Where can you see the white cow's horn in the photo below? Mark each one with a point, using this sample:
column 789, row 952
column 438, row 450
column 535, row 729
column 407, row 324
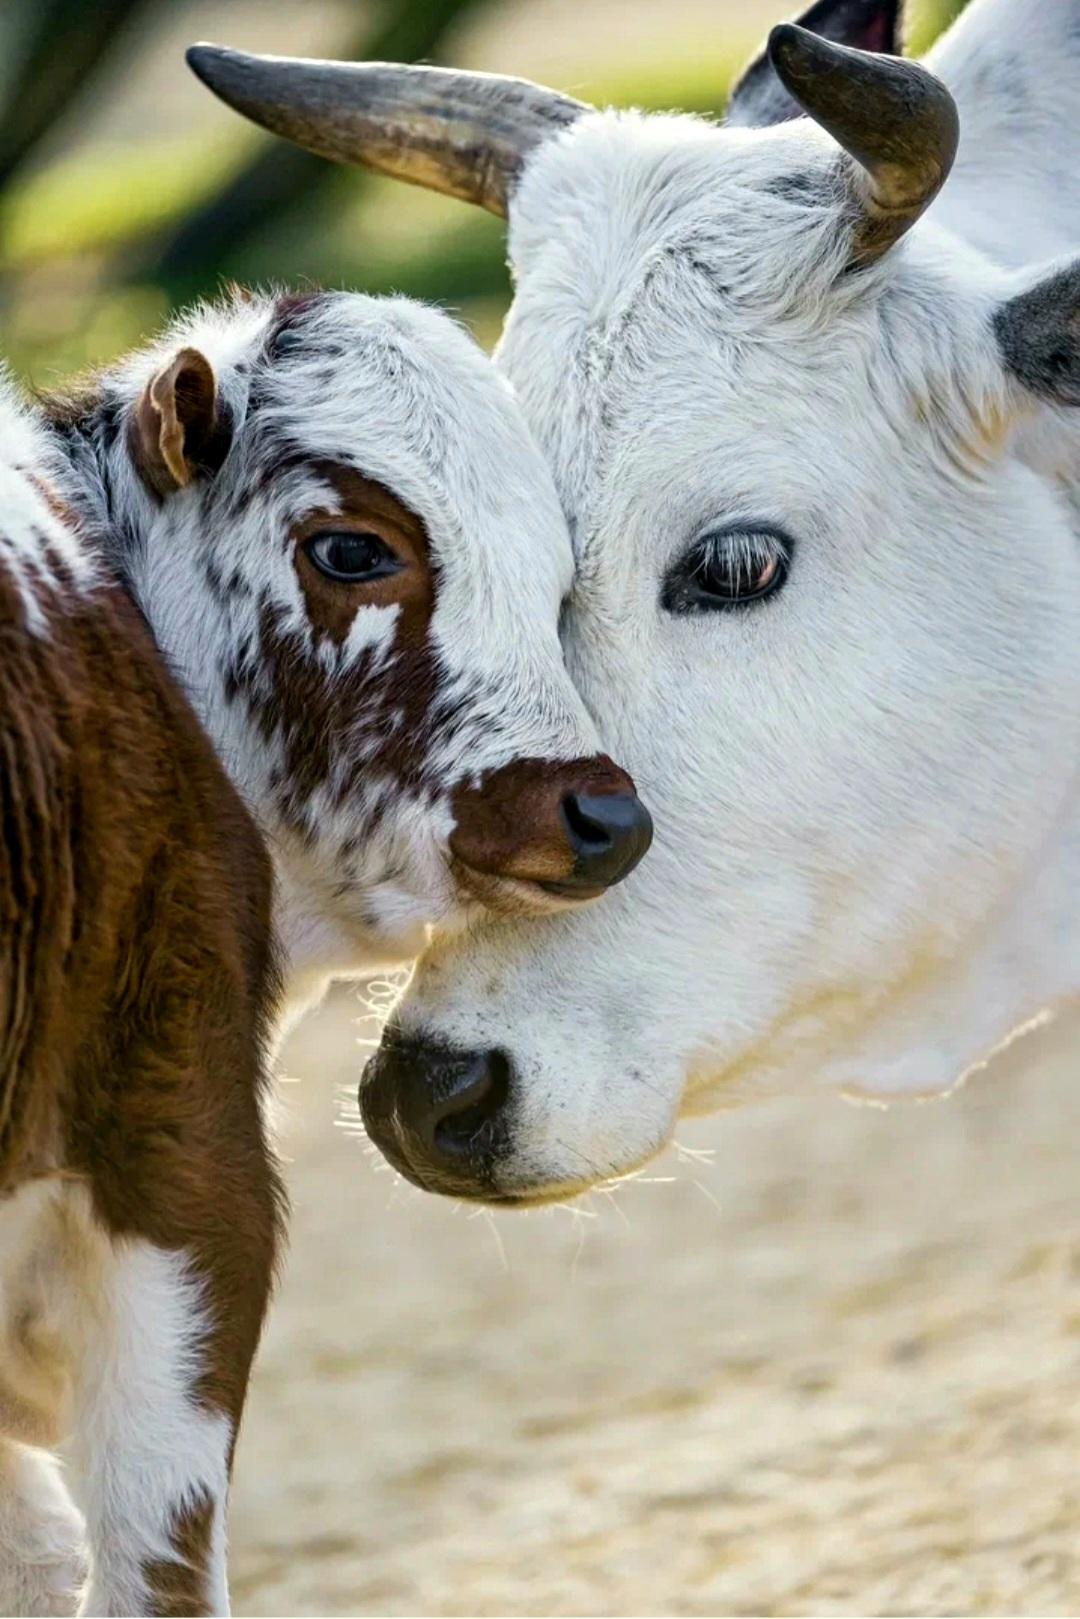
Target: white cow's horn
column 465, row 134
column 894, row 118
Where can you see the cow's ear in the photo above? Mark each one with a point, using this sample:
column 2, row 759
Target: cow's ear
column 179, row 430
column 1038, row 333
column 759, row 98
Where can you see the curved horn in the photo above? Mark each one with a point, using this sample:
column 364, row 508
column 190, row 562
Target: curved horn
column 465, row 134
column 895, row 119
column 758, row 98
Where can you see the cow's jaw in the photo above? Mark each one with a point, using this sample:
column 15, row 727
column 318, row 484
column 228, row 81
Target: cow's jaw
column 608, row 1051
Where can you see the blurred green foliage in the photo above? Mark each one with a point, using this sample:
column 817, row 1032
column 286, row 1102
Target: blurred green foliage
column 101, row 237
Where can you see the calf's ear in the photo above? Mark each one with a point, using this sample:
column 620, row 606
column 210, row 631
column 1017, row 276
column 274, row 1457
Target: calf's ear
column 759, row 98
column 1038, row 333
column 179, row 430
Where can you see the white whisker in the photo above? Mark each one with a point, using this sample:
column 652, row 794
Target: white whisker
column 709, row 1196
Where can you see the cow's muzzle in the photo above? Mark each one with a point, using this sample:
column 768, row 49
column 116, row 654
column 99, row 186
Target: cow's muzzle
column 438, row 1115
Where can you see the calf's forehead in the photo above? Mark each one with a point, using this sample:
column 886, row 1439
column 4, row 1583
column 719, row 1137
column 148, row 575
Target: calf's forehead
column 402, row 394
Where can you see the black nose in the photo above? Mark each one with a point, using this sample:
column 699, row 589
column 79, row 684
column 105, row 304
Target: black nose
column 438, row 1114
column 609, row 833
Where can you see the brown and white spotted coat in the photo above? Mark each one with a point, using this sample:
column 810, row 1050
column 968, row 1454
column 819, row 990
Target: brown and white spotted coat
column 139, row 1204
column 405, row 742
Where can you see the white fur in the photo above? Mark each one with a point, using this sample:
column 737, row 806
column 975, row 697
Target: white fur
column 34, row 544
column 867, row 790
column 42, row 1562
column 147, row 1450
column 100, row 1351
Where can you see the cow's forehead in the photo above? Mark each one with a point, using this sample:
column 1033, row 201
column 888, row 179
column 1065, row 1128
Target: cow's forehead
column 682, row 286
column 643, row 247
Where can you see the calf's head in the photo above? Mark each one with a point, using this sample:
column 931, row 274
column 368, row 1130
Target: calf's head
column 826, row 607
column 335, row 520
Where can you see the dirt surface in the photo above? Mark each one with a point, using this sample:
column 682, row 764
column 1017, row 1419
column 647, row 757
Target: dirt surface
column 833, row 1369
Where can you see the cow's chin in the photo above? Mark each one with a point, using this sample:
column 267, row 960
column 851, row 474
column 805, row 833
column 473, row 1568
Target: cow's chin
column 541, row 1186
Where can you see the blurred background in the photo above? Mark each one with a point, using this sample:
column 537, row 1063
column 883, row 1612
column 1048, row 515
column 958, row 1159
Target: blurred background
column 125, row 188
column 819, row 1359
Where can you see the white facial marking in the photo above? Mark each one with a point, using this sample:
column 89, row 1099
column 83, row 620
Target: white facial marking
column 372, row 631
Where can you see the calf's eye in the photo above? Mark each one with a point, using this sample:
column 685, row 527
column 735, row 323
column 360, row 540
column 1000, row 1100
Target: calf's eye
column 728, row 567
column 351, row 556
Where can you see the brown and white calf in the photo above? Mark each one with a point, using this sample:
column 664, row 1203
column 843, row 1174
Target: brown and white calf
column 140, row 1206
column 296, row 506
column 346, row 544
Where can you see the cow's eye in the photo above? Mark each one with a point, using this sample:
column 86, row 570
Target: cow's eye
column 352, row 556
column 728, row 567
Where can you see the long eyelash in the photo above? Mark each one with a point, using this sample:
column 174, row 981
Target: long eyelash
column 741, row 552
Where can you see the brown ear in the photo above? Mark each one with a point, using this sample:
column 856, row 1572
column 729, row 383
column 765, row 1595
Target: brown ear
column 179, row 429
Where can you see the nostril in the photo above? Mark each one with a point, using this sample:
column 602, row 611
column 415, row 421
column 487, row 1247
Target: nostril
column 608, row 834
column 466, row 1118
column 584, row 815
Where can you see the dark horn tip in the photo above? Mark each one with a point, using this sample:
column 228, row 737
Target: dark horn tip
column 787, row 41
column 782, row 37
column 793, row 50
column 203, row 58
column 218, row 67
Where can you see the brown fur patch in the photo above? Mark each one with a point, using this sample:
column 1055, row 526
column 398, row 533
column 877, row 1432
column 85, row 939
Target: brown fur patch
column 177, row 1587
column 137, row 978
column 378, row 708
column 366, row 507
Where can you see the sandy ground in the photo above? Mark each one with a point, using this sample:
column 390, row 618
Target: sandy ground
column 834, row 1368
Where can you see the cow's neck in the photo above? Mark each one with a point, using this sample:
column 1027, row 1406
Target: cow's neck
column 315, row 949
column 1025, row 964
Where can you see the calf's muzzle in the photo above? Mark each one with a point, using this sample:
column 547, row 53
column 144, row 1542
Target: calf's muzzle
column 572, row 828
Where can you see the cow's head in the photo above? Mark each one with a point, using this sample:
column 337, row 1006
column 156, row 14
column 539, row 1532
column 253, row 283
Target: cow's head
column 348, row 546
column 827, row 608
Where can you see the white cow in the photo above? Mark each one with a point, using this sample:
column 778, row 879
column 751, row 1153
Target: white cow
column 827, row 605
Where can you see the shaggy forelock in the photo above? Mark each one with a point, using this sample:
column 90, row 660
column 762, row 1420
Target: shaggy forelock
column 648, row 250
